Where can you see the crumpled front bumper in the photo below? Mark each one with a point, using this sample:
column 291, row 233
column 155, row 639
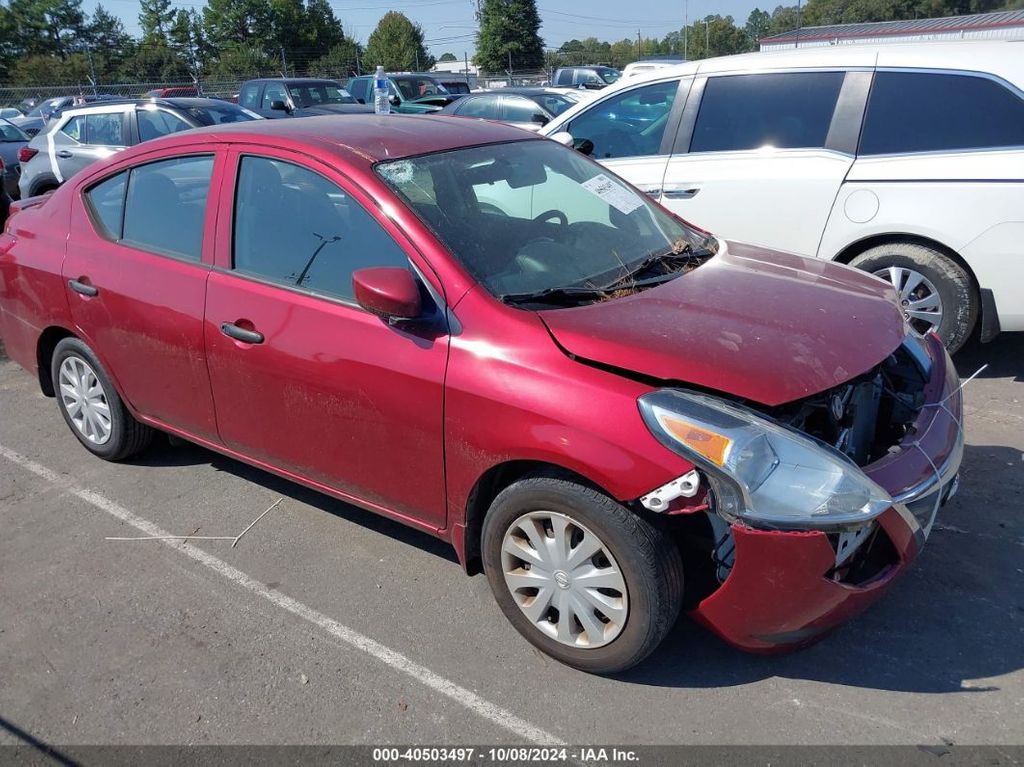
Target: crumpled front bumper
column 779, row 593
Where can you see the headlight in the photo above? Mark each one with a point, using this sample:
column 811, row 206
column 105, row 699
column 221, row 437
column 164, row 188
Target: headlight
column 761, row 471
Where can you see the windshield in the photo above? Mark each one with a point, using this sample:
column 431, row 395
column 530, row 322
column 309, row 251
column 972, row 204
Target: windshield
column 44, row 108
column 318, row 94
column 534, row 216
column 220, row 114
column 609, row 75
column 417, row 87
column 9, row 132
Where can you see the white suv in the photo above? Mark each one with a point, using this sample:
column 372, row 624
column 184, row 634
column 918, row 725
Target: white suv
column 904, row 160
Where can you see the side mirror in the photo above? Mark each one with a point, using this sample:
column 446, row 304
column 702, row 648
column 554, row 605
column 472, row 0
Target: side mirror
column 278, row 106
column 390, row 292
column 583, row 146
column 395, row 101
column 562, row 137
column 540, row 119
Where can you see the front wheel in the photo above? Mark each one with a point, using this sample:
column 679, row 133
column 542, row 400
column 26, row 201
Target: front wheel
column 581, row 577
column 935, row 292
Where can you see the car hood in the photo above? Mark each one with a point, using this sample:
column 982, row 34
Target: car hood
column 761, row 325
column 334, row 109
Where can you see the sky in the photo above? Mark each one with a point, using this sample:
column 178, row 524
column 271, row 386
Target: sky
column 449, row 24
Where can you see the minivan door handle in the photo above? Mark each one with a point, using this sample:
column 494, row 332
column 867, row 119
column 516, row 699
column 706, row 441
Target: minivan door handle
column 680, row 191
column 65, row 154
column 232, row 330
column 85, row 290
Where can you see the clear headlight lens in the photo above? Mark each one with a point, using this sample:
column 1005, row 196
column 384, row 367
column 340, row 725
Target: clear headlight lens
column 763, row 472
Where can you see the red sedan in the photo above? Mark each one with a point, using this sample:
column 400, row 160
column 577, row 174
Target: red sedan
column 491, row 338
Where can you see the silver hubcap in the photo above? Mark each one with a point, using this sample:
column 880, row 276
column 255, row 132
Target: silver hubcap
column 84, row 400
column 564, row 579
column 918, row 297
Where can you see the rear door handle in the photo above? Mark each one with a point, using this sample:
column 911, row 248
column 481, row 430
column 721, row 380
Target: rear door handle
column 85, row 290
column 241, row 334
column 680, row 191
column 65, row 154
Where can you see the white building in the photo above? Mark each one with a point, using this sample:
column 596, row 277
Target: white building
column 1004, row 25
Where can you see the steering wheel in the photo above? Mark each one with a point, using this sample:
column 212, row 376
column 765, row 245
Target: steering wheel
column 550, row 214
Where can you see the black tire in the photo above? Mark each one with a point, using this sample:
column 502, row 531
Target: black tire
column 648, row 560
column 953, row 284
column 128, row 437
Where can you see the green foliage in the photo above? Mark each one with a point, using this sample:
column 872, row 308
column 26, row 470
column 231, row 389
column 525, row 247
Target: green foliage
column 758, row 24
column 509, row 36
column 448, row 57
column 340, row 62
column 397, row 44
column 155, row 17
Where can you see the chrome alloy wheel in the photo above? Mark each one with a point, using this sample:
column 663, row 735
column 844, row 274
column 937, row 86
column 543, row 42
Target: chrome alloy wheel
column 84, row 400
column 919, row 299
column 564, row 579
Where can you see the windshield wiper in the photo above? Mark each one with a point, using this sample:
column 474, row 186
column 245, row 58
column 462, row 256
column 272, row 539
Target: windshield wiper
column 560, row 295
column 669, row 257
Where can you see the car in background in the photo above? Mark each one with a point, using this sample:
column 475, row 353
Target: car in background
column 529, row 108
column 649, row 65
column 904, row 160
column 39, row 116
column 590, row 77
column 172, row 91
column 9, row 112
column 82, row 135
column 12, row 140
column 410, row 93
column 275, row 98
column 613, row 414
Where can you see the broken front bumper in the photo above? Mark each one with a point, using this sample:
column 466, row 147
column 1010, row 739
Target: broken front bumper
column 784, row 589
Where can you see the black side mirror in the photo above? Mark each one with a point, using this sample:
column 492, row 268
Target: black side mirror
column 540, row 119
column 279, row 106
column 395, row 101
column 583, row 146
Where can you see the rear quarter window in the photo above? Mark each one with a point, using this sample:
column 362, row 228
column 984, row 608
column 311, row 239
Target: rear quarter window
column 929, row 112
column 105, row 203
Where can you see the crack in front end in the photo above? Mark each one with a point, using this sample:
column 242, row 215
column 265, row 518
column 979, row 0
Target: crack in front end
column 769, row 590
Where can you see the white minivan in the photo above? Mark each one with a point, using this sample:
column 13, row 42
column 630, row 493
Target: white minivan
column 904, row 160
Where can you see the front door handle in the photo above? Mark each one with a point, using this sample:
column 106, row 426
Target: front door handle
column 83, row 288
column 680, row 191
column 232, row 330
column 65, row 154
column 651, row 190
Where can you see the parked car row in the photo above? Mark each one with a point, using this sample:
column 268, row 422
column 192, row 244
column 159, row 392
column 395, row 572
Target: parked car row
column 613, row 414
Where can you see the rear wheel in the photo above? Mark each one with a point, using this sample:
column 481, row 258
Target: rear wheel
column 581, row 577
column 935, row 292
column 91, row 406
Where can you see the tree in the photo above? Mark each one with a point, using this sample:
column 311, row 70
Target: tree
column 155, row 18
column 509, row 36
column 324, row 31
column 758, row 24
column 397, row 44
column 448, row 57
column 229, row 23
column 339, row 62
column 188, row 41
column 109, row 45
column 239, row 62
column 46, row 27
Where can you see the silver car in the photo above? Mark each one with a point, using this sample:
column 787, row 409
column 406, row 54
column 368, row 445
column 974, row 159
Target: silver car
column 84, row 134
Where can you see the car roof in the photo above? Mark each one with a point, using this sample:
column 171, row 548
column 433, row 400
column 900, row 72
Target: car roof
column 361, row 139
column 300, row 80
column 174, row 102
column 1003, row 57
column 527, row 91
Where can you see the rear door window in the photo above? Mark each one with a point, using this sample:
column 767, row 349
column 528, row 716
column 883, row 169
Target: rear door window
column 785, row 111
column 929, row 112
column 629, row 124
column 105, row 202
column 105, row 129
column 519, row 109
column 75, row 129
column 165, row 207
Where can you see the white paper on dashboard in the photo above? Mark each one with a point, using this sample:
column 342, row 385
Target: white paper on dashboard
column 612, row 193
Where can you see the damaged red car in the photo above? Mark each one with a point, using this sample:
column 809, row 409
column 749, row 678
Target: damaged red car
column 486, row 335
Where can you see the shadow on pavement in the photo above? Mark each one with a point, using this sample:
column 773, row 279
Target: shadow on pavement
column 1004, row 356
column 39, row 748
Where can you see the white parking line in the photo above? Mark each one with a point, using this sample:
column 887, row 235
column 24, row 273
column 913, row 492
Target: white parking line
column 384, row 654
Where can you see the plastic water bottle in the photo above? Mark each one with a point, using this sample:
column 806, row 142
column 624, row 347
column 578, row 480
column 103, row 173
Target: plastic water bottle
column 381, row 102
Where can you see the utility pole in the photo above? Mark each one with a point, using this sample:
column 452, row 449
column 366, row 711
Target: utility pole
column 284, row 64
column 707, row 39
column 638, row 54
column 799, row 18
column 686, row 28
column 465, row 59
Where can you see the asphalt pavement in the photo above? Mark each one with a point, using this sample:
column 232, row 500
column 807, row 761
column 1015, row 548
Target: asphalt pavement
column 328, row 624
